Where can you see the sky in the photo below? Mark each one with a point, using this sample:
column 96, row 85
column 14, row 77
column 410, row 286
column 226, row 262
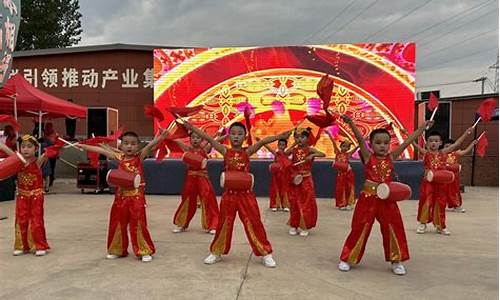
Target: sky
column 457, row 40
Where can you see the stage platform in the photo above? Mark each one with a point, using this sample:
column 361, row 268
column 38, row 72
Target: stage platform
column 167, row 177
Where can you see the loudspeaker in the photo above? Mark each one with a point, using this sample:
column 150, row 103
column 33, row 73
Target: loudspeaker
column 101, row 121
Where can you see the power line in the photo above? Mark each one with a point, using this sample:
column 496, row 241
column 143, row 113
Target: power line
column 330, row 21
column 458, row 43
column 446, row 20
column 466, row 56
column 455, row 29
column 397, row 20
column 445, row 84
column 352, row 20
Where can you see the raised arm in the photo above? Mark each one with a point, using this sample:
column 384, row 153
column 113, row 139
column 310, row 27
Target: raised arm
column 335, row 147
column 217, row 146
column 353, row 151
column 145, row 151
column 255, row 147
column 414, row 143
column 289, row 150
column 410, row 139
column 183, row 146
column 218, row 138
column 468, row 149
column 267, row 146
column 6, row 149
column 108, row 153
column 459, row 141
column 365, row 153
column 314, row 153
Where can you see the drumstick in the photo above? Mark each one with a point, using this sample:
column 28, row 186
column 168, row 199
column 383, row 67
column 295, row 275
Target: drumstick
column 481, row 135
column 475, row 124
column 299, row 163
column 432, row 116
column 69, row 144
column 68, row 163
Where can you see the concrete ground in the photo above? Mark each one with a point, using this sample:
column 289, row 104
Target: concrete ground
column 461, row 266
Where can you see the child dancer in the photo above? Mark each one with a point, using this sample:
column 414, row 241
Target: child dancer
column 452, row 163
column 237, row 158
column 344, row 186
column 303, row 208
column 432, row 202
column 379, row 168
column 30, row 228
column 129, row 206
column 278, row 190
column 197, row 188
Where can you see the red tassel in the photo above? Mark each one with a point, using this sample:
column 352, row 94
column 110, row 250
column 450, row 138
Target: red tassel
column 103, row 139
column 153, row 112
column 10, row 120
column 322, row 121
column 482, row 144
column 433, row 102
column 325, row 89
column 486, row 109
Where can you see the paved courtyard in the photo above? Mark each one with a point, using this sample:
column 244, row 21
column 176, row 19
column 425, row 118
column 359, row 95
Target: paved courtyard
column 461, row 266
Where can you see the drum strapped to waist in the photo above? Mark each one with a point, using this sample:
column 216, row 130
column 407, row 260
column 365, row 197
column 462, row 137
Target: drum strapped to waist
column 123, row 179
column 236, row 180
column 455, row 168
column 440, row 176
column 195, row 161
column 11, row 165
column 390, row 191
column 298, row 176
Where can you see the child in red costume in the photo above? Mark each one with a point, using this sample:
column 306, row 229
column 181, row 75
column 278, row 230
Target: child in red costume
column 344, row 185
column 303, row 208
column 432, row 202
column 278, row 190
column 197, row 189
column 129, row 206
column 452, row 163
column 30, row 228
column 243, row 202
column 379, row 168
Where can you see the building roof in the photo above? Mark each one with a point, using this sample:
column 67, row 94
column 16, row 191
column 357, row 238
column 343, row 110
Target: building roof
column 462, row 98
column 93, row 48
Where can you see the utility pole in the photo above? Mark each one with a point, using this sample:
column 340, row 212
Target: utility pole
column 495, row 67
column 483, row 81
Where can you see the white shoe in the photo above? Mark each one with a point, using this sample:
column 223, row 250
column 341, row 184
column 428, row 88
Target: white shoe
column 286, row 209
column 18, row 252
column 274, row 209
column 268, row 261
column 146, row 258
column 444, row 231
column 459, row 209
column 40, row 252
column 304, row 233
column 421, row 228
column 178, row 229
column 292, row 231
column 212, row 259
column 343, row 266
column 349, row 207
column 342, row 208
column 213, row 231
column 398, row 268
column 111, row 256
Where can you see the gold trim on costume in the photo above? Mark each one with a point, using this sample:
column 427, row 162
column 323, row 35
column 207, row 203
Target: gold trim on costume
column 29, row 193
column 254, row 239
column 354, row 255
column 116, row 247
column 219, row 245
column 144, row 248
column 18, row 242
column 395, row 251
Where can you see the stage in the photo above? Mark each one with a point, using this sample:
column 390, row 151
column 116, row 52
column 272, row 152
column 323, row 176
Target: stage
column 167, row 176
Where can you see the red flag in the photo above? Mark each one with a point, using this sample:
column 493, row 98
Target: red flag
column 486, row 109
column 325, row 89
column 10, row 120
column 52, row 151
column 433, row 102
column 313, row 140
column 179, row 132
column 248, row 124
column 103, row 139
column 184, row 111
column 482, row 144
column 322, row 121
column 153, row 112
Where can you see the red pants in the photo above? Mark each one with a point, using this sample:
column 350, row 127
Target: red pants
column 344, row 189
column 454, row 198
column 303, row 208
column 246, row 205
column 129, row 211
column 30, row 229
column 432, row 204
column 197, row 188
column 369, row 208
column 278, row 195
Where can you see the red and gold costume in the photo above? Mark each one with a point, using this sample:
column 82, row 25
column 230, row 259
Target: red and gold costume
column 432, row 202
column 303, row 208
column 278, row 191
column 243, row 202
column 452, row 163
column 129, row 210
column 30, row 228
column 344, row 186
column 371, row 207
column 197, row 187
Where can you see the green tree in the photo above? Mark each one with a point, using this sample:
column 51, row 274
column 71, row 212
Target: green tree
column 49, row 24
